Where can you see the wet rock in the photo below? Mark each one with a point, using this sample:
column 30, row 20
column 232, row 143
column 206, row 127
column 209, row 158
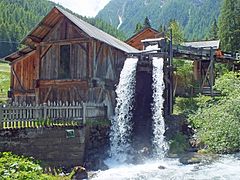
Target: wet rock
column 161, row 167
column 194, row 158
column 190, row 158
column 79, row 173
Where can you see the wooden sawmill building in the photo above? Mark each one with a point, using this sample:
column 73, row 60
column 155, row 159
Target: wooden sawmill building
column 67, row 59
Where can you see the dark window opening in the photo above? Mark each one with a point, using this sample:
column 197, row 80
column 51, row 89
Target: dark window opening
column 64, row 69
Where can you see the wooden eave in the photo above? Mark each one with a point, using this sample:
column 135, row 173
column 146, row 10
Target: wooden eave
column 140, row 33
column 16, row 56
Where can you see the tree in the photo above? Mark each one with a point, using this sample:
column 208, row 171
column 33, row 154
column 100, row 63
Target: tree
column 138, row 28
column 213, row 32
column 146, row 23
column 229, row 25
column 177, row 32
column 161, row 28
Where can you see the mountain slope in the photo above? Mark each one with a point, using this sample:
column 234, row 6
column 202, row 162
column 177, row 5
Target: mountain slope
column 195, row 16
column 18, row 17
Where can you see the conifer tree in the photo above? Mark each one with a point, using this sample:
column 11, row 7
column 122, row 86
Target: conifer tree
column 138, row 28
column 229, row 25
column 146, row 23
column 213, row 32
column 177, row 32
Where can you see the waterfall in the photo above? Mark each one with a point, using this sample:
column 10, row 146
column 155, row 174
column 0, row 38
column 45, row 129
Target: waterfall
column 120, row 135
column 159, row 144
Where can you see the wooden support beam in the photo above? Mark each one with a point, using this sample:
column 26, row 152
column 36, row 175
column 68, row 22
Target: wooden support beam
column 65, row 41
column 46, row 96
column 18, row 80
column 38, row 71
column 211, row 71
column 62, row 82
column 20, row 93
column 45, row 51
column 90, row 58
column 34, row 38
column 22, row 57
column 45, row 26
column 83, row 47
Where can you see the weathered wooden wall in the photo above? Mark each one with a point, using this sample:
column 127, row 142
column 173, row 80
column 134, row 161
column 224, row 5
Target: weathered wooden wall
column 23, row 78
column 95, row 69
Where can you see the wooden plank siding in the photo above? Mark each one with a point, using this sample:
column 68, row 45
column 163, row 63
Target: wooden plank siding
column 23, row 76
column 94, row 68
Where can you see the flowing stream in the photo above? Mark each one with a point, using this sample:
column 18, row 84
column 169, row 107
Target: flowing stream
column 224, row 168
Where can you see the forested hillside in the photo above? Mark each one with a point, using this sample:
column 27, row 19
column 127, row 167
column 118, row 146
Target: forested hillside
column 195, row 16
column 18, row 17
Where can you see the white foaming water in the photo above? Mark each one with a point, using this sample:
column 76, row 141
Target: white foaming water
column 121, row 124
column 160, row 146
column 224, row 168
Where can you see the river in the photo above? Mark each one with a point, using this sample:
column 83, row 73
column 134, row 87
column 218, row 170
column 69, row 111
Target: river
column 226, row 167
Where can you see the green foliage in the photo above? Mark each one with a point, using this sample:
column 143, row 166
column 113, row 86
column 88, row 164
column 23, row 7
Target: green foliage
column 18, row 17
column 213, row 32
column 189, row 106
column 229, row 25
column 196, row 16
column 177, row 32
column 138, row 28
column 21, row 168
column 183, row 74
column 217, row 123
column 4, row 81
column 229, row 84
column 178, row 144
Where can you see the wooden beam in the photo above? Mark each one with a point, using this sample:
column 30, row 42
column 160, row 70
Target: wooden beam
column 34, row 38
column 38, row 71
column 18, row 80
column 46, row 96
column 22, row 57
column 66, row 41
column 211, row 71
column 82, row 47
column 46, row 26
column 62, row 82
column 19, row 93
column 45, row 51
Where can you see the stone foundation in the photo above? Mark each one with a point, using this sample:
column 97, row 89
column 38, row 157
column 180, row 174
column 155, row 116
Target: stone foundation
column 63, row 147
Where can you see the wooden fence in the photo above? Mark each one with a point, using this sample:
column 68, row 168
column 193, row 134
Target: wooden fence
column 49, row 114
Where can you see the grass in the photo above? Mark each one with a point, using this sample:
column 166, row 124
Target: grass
column 4, row 81
column 4, row 67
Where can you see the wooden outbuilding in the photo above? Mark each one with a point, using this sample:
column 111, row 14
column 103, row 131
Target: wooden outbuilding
column 67, row 59
column 146, row 33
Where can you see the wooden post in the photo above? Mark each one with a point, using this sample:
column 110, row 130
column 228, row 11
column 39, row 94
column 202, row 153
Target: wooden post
column 171, row 75
column 105, row 111
column 38, row 71
column 211, row 71
column 44, row 111
column 1, row 117
column 84, row 113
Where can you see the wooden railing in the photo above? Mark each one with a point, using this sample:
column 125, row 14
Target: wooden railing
column 49, row 114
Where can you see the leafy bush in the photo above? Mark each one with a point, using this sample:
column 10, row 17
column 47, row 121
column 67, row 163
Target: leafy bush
column 178, row 144
column 218, row 122
column 187, row 106
column 21, row 168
